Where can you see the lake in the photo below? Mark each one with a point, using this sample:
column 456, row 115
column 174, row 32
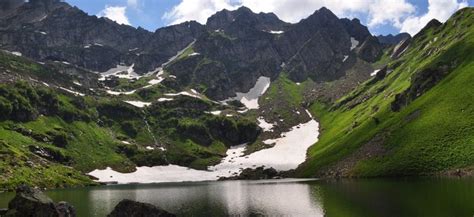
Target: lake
column 287, row 197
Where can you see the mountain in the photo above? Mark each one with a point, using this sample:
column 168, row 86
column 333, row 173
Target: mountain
column 80, row 93
column 393, row 39
column 245, row 40
column 413, row 118
column 53, row 30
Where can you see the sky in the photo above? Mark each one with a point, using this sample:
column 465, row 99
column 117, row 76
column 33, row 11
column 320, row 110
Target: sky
column 381, row 16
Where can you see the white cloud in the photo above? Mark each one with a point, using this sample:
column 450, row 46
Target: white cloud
column 379, row 11
column 399, row 13
column 437, row 9
column 115, row 13
column 388, row 12
column 196, row 10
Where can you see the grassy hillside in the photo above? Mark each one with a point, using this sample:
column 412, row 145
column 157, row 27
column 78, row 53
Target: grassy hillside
column 51, row 138
column 416, row 120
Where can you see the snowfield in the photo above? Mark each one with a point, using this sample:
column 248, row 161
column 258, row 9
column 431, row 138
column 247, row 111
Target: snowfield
column 250, row 99
column 287, row 153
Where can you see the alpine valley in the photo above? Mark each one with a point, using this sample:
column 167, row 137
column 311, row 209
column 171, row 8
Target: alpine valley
column 84, row 100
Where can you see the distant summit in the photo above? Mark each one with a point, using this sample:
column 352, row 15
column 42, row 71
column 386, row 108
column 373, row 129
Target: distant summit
column 393, row 39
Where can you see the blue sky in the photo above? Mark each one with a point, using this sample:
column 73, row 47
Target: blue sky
column 382, row 16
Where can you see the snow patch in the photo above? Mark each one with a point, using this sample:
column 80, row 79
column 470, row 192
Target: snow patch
column 116, row 93
column 16, row 53
column 191, row 93
column 138, row 104
column 276, row 32
column 354, row 43
column 164, row 99
column 71, row 91
column 120, row 71
column 215, row 112
column 250, row 99
column 267, row 127
column 345, row 58
column 375, row 72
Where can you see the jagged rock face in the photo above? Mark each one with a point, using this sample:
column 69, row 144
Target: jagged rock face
column 225, row 19
column 356, row 29
column 393, row 39
column 315, row 47
column 57, row 31
column 234, row 49
column 370, row 50
column 237, row 50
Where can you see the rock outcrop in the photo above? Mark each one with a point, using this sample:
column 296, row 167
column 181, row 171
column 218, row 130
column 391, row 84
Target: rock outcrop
column 400, row 48
column 128, row 208
column 30, row 202
column 421, row 82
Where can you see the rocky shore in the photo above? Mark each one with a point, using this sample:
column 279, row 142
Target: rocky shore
column 31, row 202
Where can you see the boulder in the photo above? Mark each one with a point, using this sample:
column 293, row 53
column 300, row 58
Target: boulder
column 129, row 208
column 30, row 202
column 65, row 209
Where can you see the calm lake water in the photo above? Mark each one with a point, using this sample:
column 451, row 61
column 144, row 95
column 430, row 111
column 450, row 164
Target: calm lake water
column 365, row 198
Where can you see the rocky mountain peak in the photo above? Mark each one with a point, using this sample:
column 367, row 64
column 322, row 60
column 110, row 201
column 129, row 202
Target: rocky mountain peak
column 243, row 15
column 356, row 29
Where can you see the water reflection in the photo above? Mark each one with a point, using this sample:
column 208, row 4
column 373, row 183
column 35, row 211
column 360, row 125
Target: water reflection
column 216, row 198
column 355, row 198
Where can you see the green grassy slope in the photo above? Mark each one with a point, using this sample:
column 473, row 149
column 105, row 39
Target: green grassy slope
column 51, row 138
column 432, row 132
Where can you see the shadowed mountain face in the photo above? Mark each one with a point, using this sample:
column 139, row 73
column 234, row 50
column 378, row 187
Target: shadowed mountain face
column 231, row 51
column 393, row 39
